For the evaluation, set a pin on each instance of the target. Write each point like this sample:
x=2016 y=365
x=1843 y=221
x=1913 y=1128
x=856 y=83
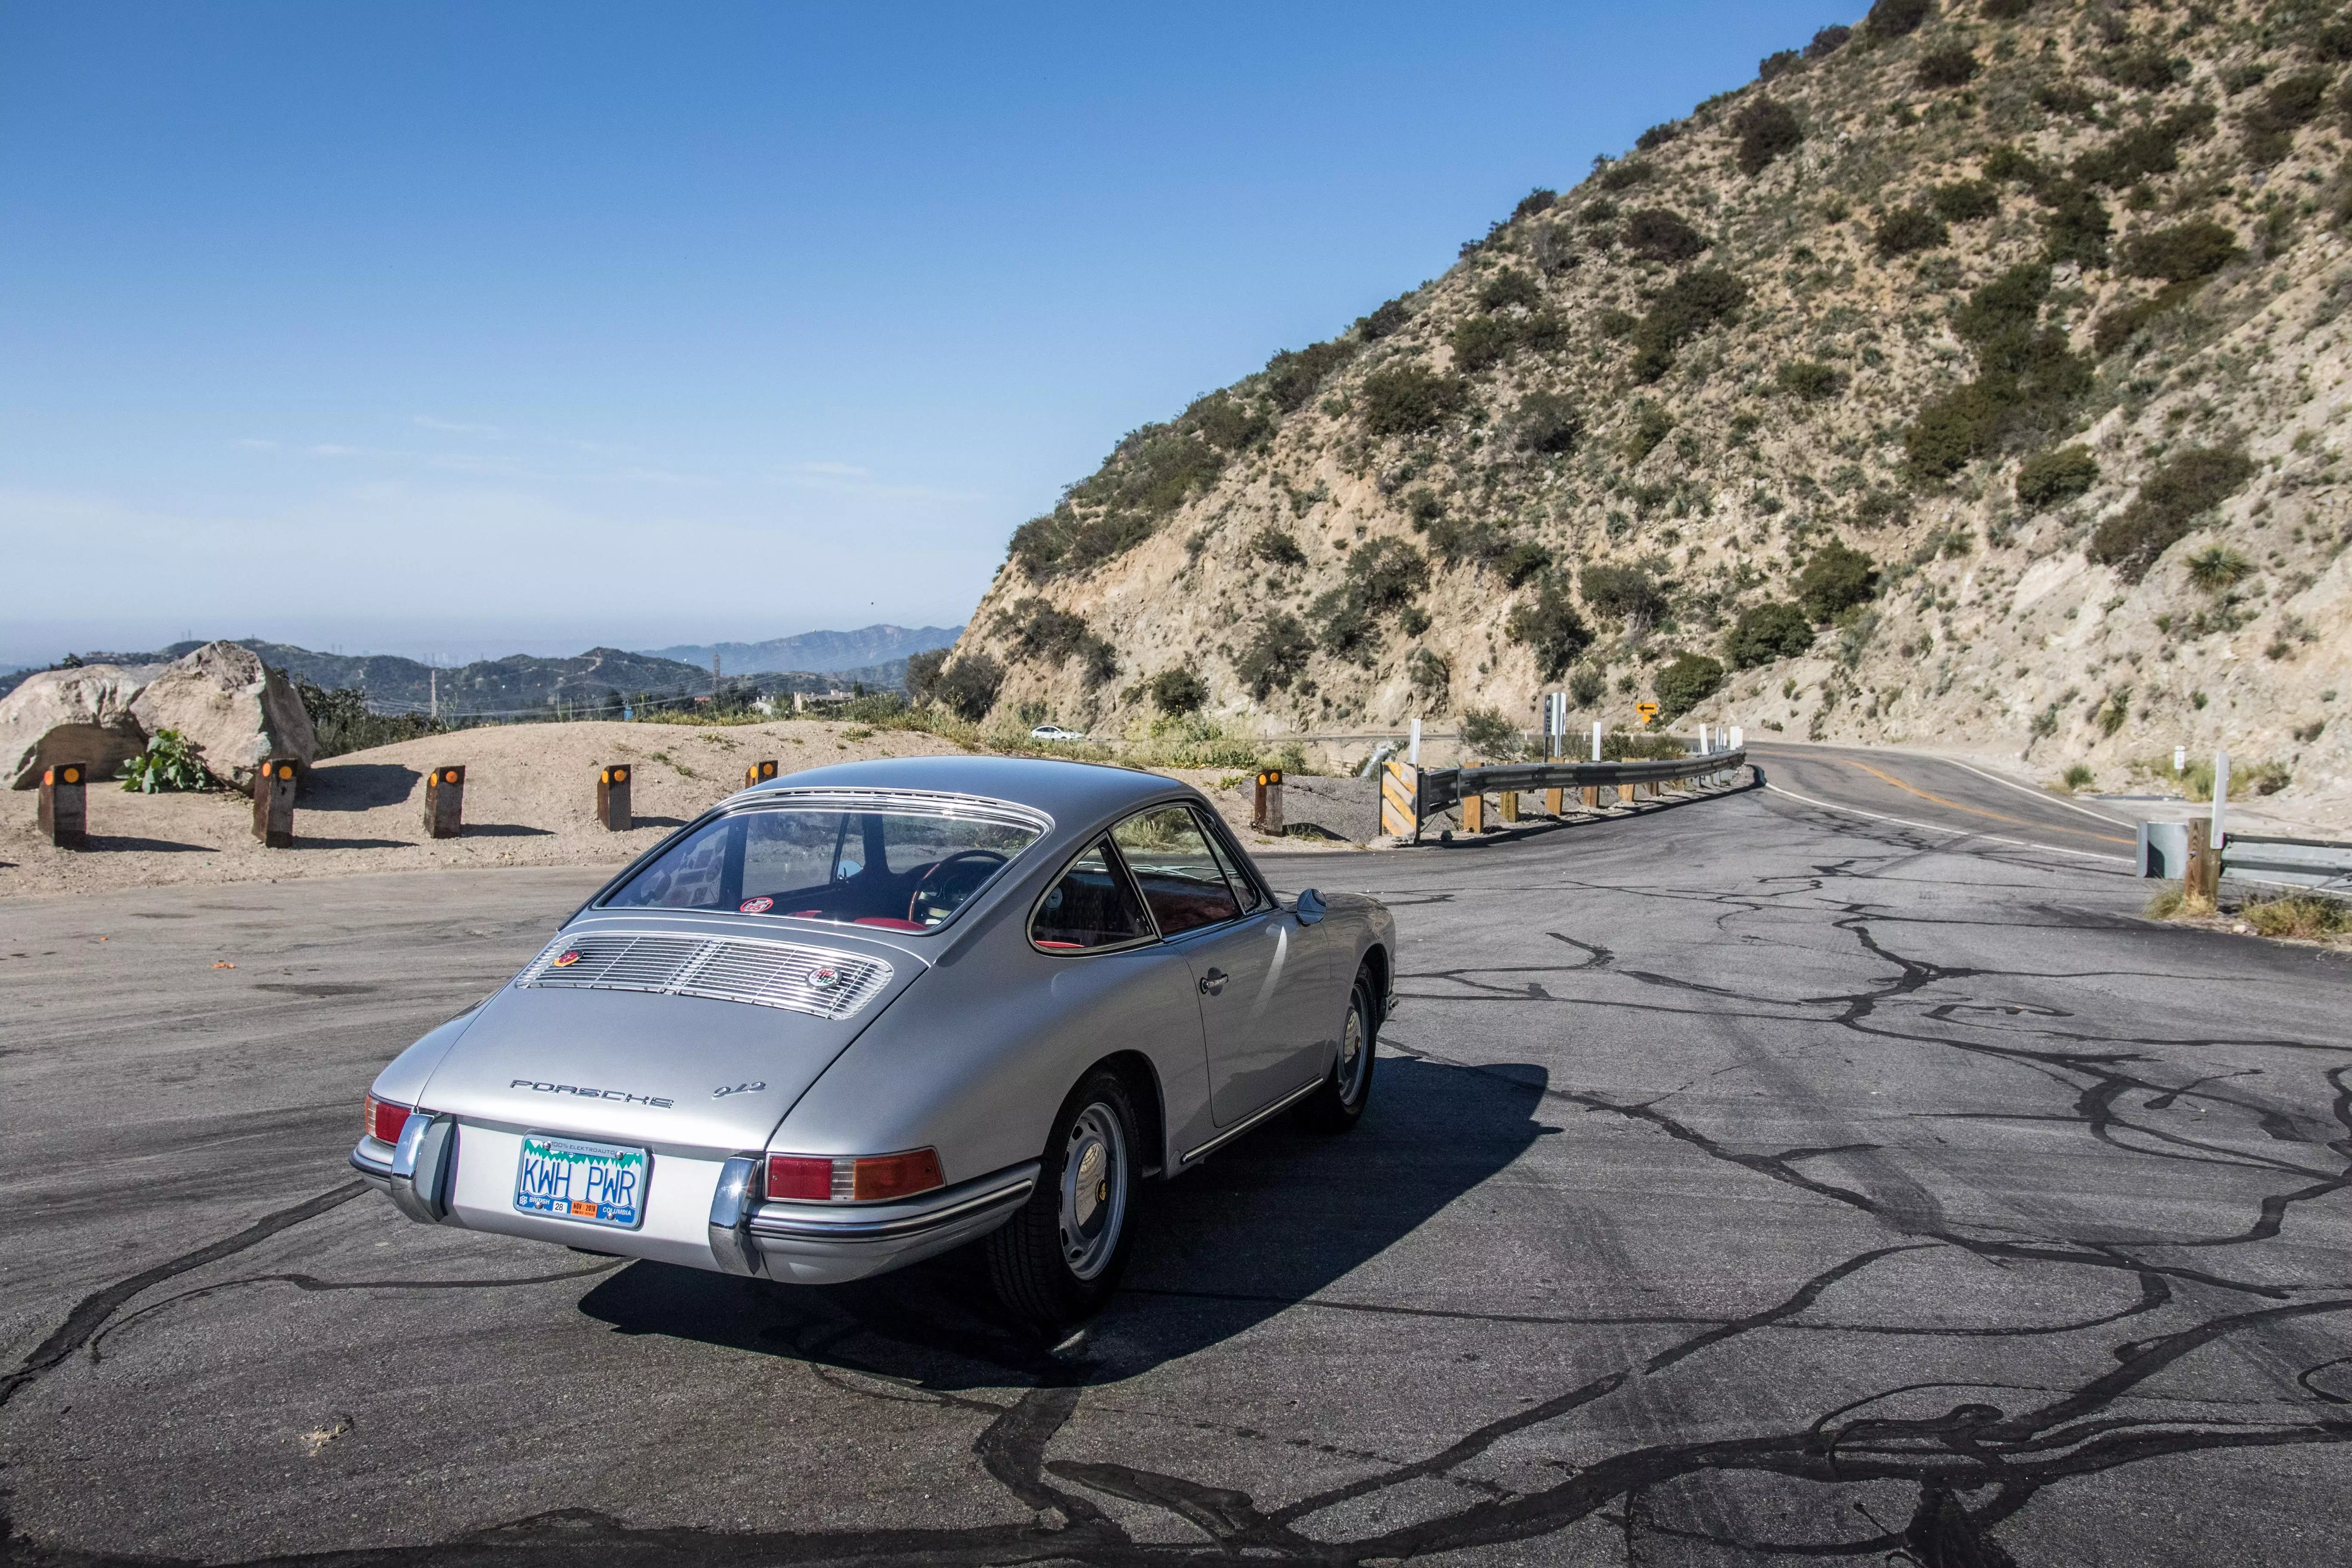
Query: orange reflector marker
x=896 y=1175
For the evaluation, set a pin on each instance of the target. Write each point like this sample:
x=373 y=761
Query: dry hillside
x=1973 y=377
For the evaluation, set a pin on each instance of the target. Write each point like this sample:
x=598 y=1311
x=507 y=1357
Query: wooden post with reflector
x=1401 y=802
x=273 y=804
x=1473 y=812
x=613 y=797
x=445 y=802
x=759 y=772
x=1267 y=816
x=64 y=811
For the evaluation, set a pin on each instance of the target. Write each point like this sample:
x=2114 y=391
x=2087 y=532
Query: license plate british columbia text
x=602 y=1184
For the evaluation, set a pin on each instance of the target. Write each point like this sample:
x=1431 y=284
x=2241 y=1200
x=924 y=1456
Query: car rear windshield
x=899 y=867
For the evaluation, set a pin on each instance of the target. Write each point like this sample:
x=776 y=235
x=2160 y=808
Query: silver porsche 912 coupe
x=857 y=1016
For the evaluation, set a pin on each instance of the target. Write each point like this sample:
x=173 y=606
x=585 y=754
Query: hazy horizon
x=516 y=327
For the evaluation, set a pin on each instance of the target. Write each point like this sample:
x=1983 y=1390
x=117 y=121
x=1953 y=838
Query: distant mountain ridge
x=822 y=653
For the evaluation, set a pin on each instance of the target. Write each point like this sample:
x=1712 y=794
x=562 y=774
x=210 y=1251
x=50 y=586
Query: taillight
x=385 y=1121
x=816 y=1178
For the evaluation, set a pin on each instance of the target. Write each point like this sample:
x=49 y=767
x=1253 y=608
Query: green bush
x=2069 y=98
x=1178 y=691
x=2079 y=777
x=1777 y=64
x=1342 y=627
x=1896 y=18
x=2007 y=165
x=2076 y=227
x=1837 y=578
x=1291 y=378
x=1627 y=173
x=1690 y=679
x=1480 y=342
x=169 y=764
x=1812 y=382
x=1550 y=626
x=1510 y=286
x=2333 y=42
x=1966 y=201
x=1521 y=562
x=1385 y=576
x=1586 y=685
x=1767 y=632
x=1768 y=130
x=1489 y=735
x=1405 y=399
x=2217 y=566
x=1276 y=656
x=2153 y=148
x=1044 y=632
x=2005 y=10
x=2010 y=303
x=1275 y=547
x=1385 y=321
x=1689 y=305
x=1428 y=671
x=1652 y=425
x=969 y=687
x=2047 y=478
x=2115 y=328
x=2024 y=378
x=2292 y=103
x=341 y=722
x=1549 y=422
x=1828 y=41
x=1658 y=235
x=923 y=677
x=2144 y=69
x=1657 y=136
x=1539 y=200
x=2182 y=253
x=1227 y=424
x=2167 y=506
x=1627 y=594
x=1616 y=323
x=1951 y=65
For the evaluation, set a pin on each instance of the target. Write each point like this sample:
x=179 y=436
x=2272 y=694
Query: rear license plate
x=601 y=1184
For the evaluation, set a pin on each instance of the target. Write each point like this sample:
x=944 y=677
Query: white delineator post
x=1705 y=741
x=2220 y=797
x=1597 y=728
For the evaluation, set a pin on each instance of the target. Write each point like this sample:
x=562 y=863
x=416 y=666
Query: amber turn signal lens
x=896 y=1175
x=385 y=1122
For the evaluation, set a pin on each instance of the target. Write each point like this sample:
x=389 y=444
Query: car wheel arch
x=1136 y=1070
x=1376 y=960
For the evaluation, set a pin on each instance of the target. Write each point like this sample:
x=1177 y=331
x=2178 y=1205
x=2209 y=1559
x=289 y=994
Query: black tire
x=1059 y=1257
x=1339 y=1103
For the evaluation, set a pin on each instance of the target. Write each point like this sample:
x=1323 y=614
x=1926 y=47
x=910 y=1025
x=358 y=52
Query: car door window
x=1181 y=880
x=1244 y=889
x=1091 y=907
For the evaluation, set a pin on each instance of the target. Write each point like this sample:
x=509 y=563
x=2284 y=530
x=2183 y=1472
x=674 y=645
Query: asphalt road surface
x=1744 y=1182
x=1929 y=792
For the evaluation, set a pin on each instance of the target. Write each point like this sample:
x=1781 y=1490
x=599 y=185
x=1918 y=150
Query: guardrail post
x=1473 y=812
x=613 y=797
x=1268 y=817
x=273 y=804
x=63 y=813
x=1555 y=802
x=759 y=772
x=1591 y=794
x=1400 y=800
x=2204 y=881
x=1510 y=802
x=445 y=802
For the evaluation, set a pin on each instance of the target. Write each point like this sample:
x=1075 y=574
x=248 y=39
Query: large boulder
x=79 y=715
x=235 y=710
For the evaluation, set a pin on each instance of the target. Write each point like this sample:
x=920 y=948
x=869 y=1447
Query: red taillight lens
x=385 y=1122
x=896 y=1175
x=807 y=1177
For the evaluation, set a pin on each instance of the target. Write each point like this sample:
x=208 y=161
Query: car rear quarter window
x=1179 y=877
x=1092 y=906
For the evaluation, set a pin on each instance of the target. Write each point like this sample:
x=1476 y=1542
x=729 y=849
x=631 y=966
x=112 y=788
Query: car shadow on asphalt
x=1273 y=1222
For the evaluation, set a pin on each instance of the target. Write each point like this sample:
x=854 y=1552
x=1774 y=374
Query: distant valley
x=823 y=653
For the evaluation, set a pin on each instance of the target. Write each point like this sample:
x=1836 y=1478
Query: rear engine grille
x=764 y=973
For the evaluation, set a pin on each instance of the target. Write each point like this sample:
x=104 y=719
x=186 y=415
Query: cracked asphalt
x=1745 y=1182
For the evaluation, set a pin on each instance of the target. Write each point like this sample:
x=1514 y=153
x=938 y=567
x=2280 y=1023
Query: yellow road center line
x=1974 y=811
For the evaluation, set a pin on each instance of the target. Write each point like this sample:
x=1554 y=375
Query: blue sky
x=480 y=328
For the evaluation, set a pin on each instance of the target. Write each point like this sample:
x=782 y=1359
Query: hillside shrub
x=2068 y=97
x=1586 y=685
x=1539 y=200
x=2009 y=165
x=1658 y=235
x=1627 y=594
x=1836 y=579
x=1275 y=547
x=1405 y=399
x=2333 y=42
x=2115 y=328
x=1476 y=543
x=1275 y=656
x=2005 y=10
x=1177 y=690
x=1342 y=627
x=1627 y=173
x=2292 y=103
x=1767 y=632
x=2144 y=70
x=2046 y=479
x=1949 y=66
x=1228 y=424
x=1385 y=576
x=1510 y=286
x=1614 y=323
x=1550 y=626
x=1906 y=230
x=1966 y=201
x=1690 y=679
x=969 y=686
x=1489 y=735
x=1063 y=541
x=1652 y=425
x=343 y=723
x=1896 y=18
x=1828 y=41
x=2216 y=567
x=1691 y=304
x=2009 y=303
x=1519 y=564
x=1292 y=377
x=1549 y=422
x=923 y=677
x=1385 y=321
x=2182 y=253
x=1428 y=671
x=1042 y=631
x=2076 y=227
x=1767 y=129
x=1812 y=381
x=1779 y=63
x=1657 y=136
x=2167 y=506
x=1148 y=475
x=2143 y=150
x=1480 y=342
x=2025 y=379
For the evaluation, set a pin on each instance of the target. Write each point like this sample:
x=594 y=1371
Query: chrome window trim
x=1267 y=904
x=1118 y=864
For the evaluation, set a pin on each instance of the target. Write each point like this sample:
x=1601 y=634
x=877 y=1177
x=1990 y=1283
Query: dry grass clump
x=2299 y=917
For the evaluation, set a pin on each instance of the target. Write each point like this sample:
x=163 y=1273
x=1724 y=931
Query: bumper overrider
x=745 y=1234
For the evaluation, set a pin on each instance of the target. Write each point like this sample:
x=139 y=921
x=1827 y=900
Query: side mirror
x=1310 y=907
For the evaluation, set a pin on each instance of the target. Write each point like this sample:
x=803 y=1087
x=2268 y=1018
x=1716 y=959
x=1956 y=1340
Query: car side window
x=1092 y=906
x=1181 y=880
x=1244 y=889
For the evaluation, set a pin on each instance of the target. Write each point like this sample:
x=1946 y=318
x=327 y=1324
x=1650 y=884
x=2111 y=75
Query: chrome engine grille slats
x=811 y=980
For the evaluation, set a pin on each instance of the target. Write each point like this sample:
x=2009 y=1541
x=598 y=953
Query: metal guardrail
x=2171 y=849
x=1411 y=795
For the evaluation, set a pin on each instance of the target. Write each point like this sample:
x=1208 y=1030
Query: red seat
x=888 y=923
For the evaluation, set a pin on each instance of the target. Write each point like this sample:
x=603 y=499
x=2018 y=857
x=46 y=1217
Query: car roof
x=1075 y=794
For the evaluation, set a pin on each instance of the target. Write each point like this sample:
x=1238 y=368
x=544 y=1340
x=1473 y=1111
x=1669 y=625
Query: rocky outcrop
x=234 y=710
x=79 y=715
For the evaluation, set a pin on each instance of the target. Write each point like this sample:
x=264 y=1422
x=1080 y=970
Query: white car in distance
x=1055 y=733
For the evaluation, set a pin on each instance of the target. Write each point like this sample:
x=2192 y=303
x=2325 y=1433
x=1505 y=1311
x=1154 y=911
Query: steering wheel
x=990 y=857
